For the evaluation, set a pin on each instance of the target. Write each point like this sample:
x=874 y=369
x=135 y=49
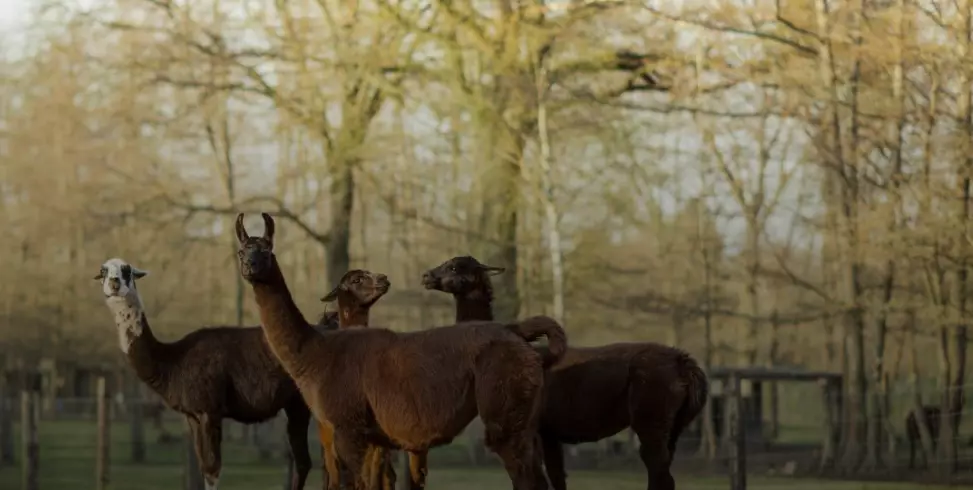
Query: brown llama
x=410 y=391
x=596 y=392
x=356 y=293
x=209 y=375
x=931 y=416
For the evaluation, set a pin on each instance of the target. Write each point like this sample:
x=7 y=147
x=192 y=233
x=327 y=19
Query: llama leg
x=207 y=435
x=678 y=427
x=418 y=468
x=351 y=450
x=654 y=406
x=378 y=472
x=519 y=459
x=298 y=417
x=372 y=468
x=652 y=428
x=509 y=393
x=542 y=481
x=388 y=470
x=330 y=471
x=554 y=463
x=655 y=457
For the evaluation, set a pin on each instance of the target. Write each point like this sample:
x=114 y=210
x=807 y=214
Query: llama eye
x=452 y=269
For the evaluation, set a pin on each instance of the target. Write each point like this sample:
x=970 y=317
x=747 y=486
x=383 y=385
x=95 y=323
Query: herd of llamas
x=372 y=390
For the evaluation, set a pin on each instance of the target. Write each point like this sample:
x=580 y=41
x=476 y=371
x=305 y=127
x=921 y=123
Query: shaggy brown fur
x=412 y=390
x=208 y=375
x=932 y=417
x=594 y=393
x=356 y=293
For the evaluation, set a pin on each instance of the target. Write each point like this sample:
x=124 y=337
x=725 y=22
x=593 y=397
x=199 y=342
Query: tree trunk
x=547 y=191
x=875 y=415
x=836 y=157
x=856 y=392
x=341 y=199
x=772 y=353
x=954 y=339
x=508 y=300
x=752 y=335
x=952 y=408
x=851 y=200
x=708 y=444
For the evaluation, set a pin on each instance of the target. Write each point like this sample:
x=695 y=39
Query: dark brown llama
x=931 y=415
x=209 y=375
x=356 y=293
x=413 y=390
x=596 y=392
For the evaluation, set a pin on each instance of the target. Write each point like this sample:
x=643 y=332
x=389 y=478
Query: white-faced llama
x=208 y=375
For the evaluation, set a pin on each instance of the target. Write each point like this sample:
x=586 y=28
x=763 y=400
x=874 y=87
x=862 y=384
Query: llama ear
x=139 y=273
x=241 y=231
x=268 y=227
x=492 y=271
x=332 y=296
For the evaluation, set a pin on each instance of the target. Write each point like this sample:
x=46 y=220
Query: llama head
x=460 y=275
x=118 y=278
x=256 y=254
x=364 y=287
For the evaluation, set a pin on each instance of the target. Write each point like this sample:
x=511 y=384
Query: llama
x=931 y=416
x=596 y=392
x=208 y=375
x=410 y=391
x=356 y=293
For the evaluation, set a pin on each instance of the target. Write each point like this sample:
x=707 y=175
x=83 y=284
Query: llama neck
x=352 y=316
x=136 y=340
x=474 y=306
x=284 y=325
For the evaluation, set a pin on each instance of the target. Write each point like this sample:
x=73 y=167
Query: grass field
x=67 y=463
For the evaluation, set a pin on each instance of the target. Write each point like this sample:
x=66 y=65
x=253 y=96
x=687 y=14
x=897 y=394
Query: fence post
x=136 y=407
x=832 y=414
x=737 y=434
x=6 y=423
x=192 y=475
x=103 y=447
x=29 y=405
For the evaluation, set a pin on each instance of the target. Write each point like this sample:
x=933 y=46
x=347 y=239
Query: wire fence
x=146 y=447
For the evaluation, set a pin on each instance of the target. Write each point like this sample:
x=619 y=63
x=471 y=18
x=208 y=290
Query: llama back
x=241 y=357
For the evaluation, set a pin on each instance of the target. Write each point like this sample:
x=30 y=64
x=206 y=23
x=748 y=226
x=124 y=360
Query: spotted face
x=366 y=287
x=118 y=277
x=459 y=275
x=256 y=254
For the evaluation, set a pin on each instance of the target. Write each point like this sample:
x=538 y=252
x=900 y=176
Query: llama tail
x=697 y=387
x=537 y=326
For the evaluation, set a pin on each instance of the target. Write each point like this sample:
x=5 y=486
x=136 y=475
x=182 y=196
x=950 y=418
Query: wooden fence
x=131 y=424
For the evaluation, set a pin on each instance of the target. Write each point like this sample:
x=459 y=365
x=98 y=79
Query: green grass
x=250 y=477
x=67 y=462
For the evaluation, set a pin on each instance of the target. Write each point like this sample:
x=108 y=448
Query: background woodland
x=761 y=183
